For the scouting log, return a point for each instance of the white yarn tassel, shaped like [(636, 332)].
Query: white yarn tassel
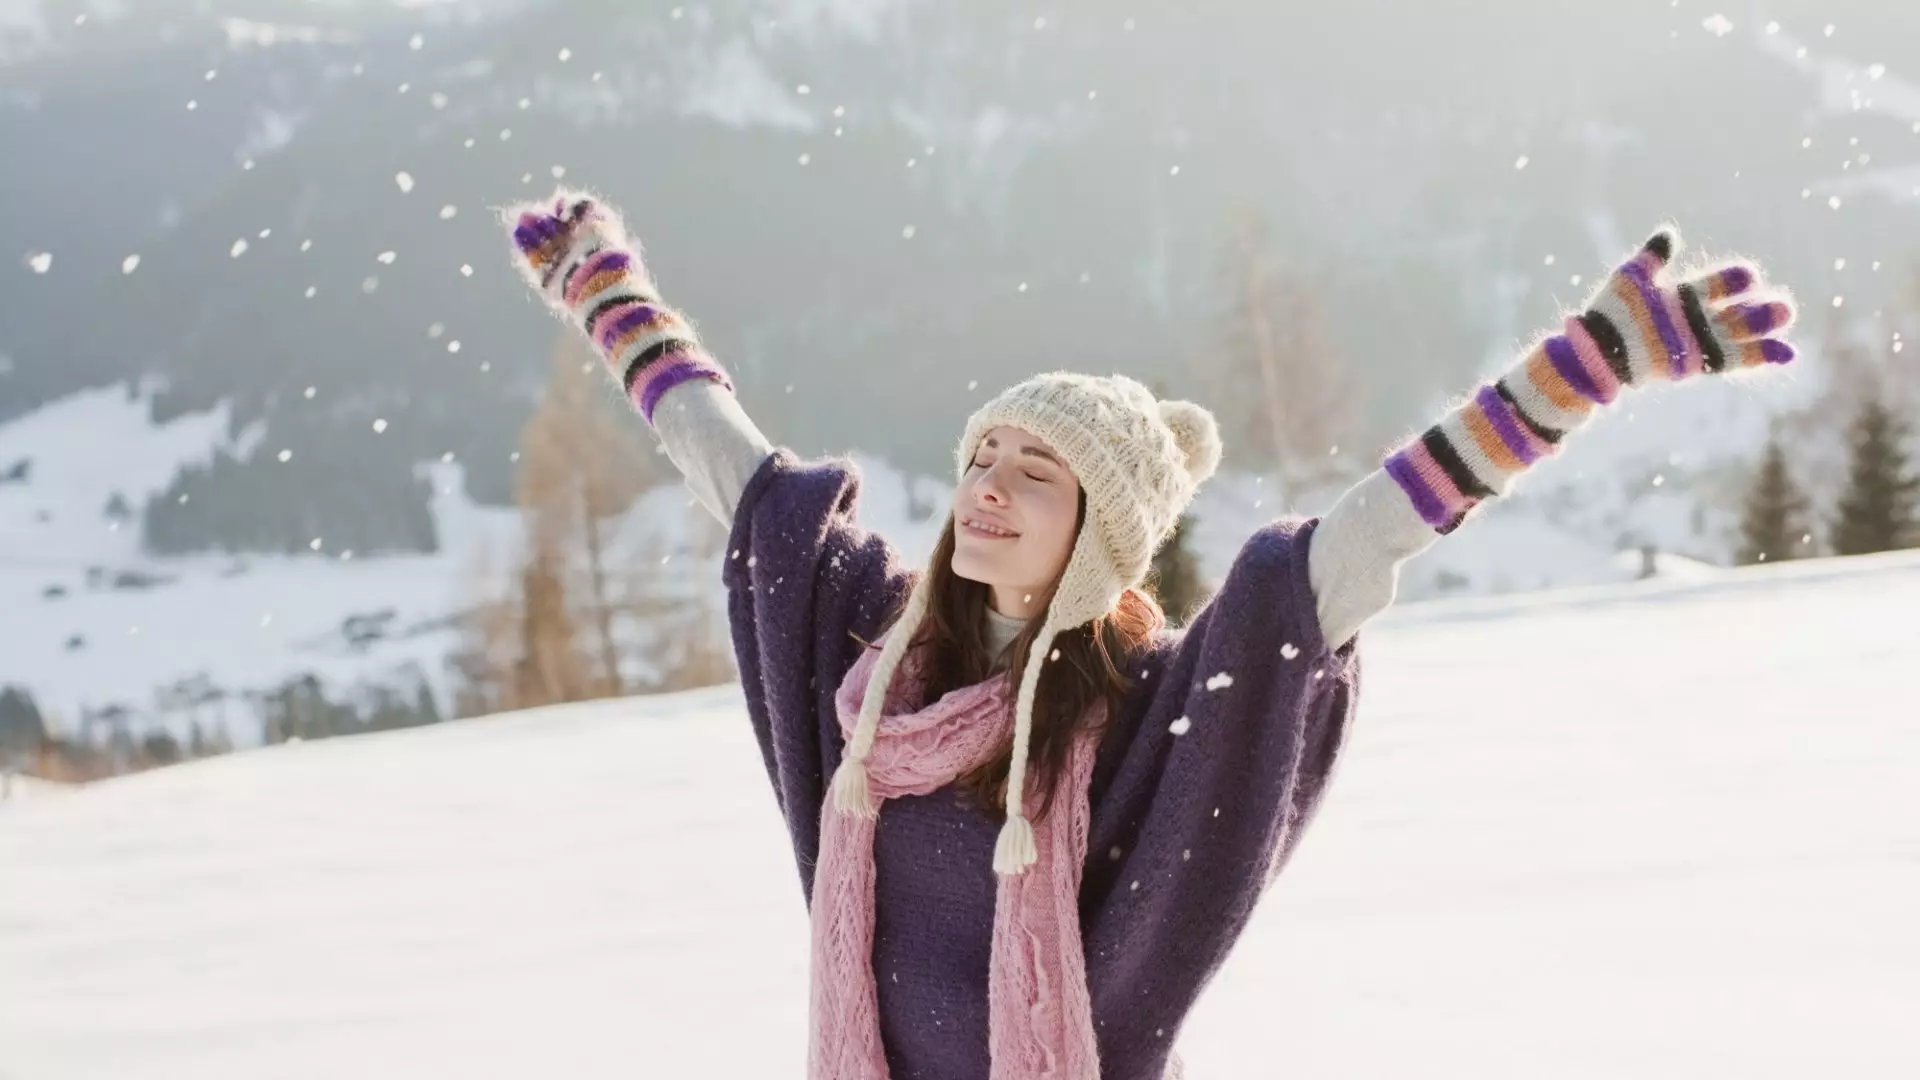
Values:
[(850, 794), (1016, 849)]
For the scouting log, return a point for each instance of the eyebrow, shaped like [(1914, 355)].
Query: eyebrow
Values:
[(1031, 451)]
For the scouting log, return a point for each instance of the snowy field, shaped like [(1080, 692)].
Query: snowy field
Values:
[(1669, 830)]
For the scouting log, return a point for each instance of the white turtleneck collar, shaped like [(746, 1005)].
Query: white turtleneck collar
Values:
[(1002, 629)]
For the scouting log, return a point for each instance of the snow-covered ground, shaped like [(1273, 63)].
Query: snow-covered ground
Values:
[(1667, 830)]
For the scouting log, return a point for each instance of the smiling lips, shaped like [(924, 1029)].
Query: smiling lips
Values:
[(987, 530)]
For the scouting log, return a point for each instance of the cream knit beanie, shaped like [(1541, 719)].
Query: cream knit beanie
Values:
[(1139, 462)]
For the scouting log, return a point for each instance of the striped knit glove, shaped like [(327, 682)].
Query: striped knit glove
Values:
[(1645, 323), (576, 254)]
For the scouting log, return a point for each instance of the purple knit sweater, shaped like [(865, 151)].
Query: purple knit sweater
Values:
[(1186, 829)]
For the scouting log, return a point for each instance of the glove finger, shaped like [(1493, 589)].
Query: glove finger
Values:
[(1764, 351), (1656, 253), (1728, 281), (1744, 322)]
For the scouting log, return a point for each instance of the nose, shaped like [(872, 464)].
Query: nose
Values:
[(987, 488)]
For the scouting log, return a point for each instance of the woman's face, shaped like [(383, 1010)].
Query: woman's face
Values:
[(1015, 485)]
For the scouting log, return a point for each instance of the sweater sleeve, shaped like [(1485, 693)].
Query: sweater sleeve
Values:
[(1206, 782), (1357, 552), (712, 441), (806, 584)]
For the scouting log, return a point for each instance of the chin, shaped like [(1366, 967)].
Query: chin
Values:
[(965, 566)]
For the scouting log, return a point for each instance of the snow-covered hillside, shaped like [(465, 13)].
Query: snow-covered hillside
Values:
[(1662, 831), (88, 620)]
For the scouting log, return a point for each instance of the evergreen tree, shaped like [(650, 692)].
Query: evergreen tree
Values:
[(1774, 518), (1174, 578), (1880, 508)]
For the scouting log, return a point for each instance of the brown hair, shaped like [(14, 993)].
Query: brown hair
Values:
[(1093, 664)]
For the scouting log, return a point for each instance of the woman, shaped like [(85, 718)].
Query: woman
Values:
[(1165, 776)]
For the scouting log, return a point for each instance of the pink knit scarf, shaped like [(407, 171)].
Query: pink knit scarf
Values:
[(1040, 1017)]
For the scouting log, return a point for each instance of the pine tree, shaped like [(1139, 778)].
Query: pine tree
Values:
[(1175, 576), (1880, 508), (1774, 518)]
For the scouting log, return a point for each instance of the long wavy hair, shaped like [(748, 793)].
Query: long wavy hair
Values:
[(1094, 660)]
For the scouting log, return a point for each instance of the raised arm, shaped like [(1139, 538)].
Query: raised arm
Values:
[(574, 251), (1646, 323)]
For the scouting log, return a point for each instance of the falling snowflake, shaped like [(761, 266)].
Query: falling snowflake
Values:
[(264, 233), (1718, 25), (448, 211), (804, 158), (1828, 29), (1289, 650), (1023, 286), (453, 346), (314, 544), (266, 621), (129, 264), (386, 258), (505, 134), (973, 384), (306, 245), (311, 292), (1113, 853), (434, 330), (40, 262), (192, 105), (309, 392), (1220, 681), (906, 233), (803, 89), (238, 249), (1833, 202), (1054, 655), (405, 181), (1839, 264), (1180, 726), (1175, 171), (369, 284), (438, 100), (1659, 479), (286, 455), (446, 458), (466, 270), (417, 42), (1520, 162), (379, 426), (1839, 300), (565, 55)]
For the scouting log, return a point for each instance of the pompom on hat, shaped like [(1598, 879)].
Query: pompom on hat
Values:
[(1139, 461)]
